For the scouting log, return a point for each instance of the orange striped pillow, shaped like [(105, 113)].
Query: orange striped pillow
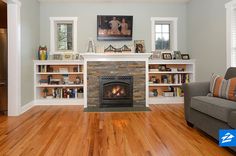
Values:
[(222, 88), (231, 89)]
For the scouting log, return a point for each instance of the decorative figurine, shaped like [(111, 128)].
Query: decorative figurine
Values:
[(91, 46)]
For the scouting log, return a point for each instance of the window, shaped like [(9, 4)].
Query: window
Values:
[(64, 37), (162, 36), (63, 34), (231, 33), (164, 33)]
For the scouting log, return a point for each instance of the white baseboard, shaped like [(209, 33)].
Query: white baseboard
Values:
[(27, 107), (58, 102)]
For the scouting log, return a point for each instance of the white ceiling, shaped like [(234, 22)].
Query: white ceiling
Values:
[(117, 1)]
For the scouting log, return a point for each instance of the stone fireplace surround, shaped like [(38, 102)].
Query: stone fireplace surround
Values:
[(117, 64)]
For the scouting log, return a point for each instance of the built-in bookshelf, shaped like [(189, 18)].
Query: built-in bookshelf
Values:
[(58, 82), (166, 78), (61, 82)]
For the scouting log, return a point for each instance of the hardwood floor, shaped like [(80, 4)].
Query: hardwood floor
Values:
[(67, 130)]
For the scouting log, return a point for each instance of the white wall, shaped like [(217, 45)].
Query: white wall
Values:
[(29, 45), (87, 20), (206, 36)]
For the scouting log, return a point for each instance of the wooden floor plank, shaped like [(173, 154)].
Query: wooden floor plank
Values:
[(67, 130)]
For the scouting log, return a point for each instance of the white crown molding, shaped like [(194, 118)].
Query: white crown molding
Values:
[(230, 4), (17, 2), (116, 1)]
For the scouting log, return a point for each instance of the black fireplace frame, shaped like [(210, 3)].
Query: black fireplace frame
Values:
[(124, 102)]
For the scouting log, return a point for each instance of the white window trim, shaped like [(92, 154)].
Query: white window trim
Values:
[(229, 7), (54, 20), (174, 21)]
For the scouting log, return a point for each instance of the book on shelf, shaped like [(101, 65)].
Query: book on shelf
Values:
[(66, 93), (168, 94), (45, 68), (174, 92), (178, 92)]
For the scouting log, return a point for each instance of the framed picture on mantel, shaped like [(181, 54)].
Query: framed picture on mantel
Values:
[(139, 46)]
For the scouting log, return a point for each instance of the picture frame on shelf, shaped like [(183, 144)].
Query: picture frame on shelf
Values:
[(139, 46), (177, 55), (76, 56), (68, 56), (167, 56), (57, 57), (156, 55), (185, 56)]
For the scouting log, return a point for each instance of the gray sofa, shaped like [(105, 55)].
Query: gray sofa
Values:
[(209, 114)]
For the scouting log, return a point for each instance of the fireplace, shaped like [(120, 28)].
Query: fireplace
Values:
[(116, 91)]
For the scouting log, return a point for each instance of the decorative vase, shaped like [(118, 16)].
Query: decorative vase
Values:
[(155, 92), (42, 53)]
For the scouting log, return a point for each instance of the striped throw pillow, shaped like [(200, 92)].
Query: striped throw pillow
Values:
[(219, 87)]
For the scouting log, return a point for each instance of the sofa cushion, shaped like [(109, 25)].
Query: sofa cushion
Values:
[(213, 106), (220, 87)]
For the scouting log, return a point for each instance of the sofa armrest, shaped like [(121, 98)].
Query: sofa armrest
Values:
[(191, 90), (232, 119)]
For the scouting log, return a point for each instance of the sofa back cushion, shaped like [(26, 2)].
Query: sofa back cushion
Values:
[(220, 87), (231, 73)]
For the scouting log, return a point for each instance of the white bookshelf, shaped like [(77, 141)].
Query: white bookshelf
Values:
[(189, 69), (55, 65)]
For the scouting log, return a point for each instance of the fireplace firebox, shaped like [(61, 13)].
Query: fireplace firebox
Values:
[(116, 91)]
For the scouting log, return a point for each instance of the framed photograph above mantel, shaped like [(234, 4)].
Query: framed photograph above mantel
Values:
[(114, 28)]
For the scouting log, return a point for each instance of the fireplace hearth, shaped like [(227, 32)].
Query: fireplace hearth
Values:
[(116, 91)]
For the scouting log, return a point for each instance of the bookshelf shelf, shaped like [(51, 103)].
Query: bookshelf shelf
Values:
[(58, 82), (58, 86), (165, 84), (185, 72), (59, 73)]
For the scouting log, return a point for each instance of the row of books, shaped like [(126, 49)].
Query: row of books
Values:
[(177, 92), (175, 78), (48, 68), (67, 93), (44, 69)]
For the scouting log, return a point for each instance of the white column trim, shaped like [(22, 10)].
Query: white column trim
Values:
[(14, 57)]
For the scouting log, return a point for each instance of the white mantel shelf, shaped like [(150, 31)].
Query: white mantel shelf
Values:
[(116, 56)]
